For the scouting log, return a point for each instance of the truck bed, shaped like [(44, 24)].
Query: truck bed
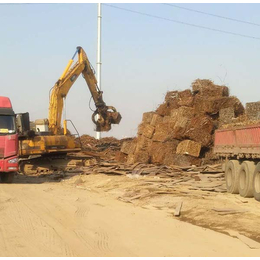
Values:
[(241, 142)]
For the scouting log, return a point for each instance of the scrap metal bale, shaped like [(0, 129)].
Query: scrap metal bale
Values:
[(181, 160), (143, 143), (128, 147), (179, 98), (185, 94), (165, 108), (180, 128), (200, 130), (130, 159), (156, 119), (187, 112), (188, 102), (226, 102), (207, 88), (162, 110), (180, 121), (147, 117), (171, 95), (142, 157), (158, 151), (140, 129), (121, 157), (211, 106), (253, 110), (226, 115), (148, 131), (189, 147), (162, 132)]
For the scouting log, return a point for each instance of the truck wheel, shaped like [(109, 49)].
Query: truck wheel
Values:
[(256, 182), (231, 176), (245, 182), (7, 177)]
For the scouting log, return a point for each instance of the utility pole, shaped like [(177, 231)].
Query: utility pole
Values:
[(98, 134)]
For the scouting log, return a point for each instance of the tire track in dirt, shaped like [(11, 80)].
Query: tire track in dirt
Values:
[(82, 211), (102, 241), (35, 229), (85, 238)]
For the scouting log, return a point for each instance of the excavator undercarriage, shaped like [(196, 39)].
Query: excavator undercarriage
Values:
[(55, 163)]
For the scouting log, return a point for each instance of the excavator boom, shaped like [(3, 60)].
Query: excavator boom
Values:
[(107, 115)]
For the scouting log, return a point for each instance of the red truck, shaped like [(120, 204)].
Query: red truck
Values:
[(8, 141), (240, 147)]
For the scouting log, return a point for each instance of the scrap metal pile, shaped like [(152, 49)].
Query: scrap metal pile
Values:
[(106, 147), (181, 130)]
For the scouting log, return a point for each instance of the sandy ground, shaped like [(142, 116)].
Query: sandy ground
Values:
[(89, 216)]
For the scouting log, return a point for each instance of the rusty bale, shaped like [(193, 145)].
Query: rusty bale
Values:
[(226, 115), (162, 132), (171, 95), (130, 159), (189, 147), (181, 160), (185, 98), (142, 157), (128, 147), (148, 131), (158, 151), (186, 160), (140, 129), (165, 108), (211, 106), (188, 102), (185, 94), (253, 110), (187, 112), (156, 119), (162, 110), (226, 102), (121, 157), (147, 117), (207, 88), (180, 128), (143, 143), (200, 130)]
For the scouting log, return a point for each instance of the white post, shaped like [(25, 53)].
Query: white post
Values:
[(98, 134)]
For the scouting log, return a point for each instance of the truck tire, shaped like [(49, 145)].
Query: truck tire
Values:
[(245, 183), (7, 177), (256, 182), (231, 176)]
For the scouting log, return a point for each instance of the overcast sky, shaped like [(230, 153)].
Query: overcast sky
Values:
[(142, 56)]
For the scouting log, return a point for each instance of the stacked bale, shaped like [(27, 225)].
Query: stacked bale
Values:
[(181, 129), (251, 117)]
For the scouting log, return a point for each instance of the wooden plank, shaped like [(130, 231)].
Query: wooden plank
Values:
[(178, 209)]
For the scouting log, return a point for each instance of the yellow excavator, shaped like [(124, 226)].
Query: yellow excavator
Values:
[(44, 145)]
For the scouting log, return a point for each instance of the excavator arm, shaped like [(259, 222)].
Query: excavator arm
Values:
[(107, 115)]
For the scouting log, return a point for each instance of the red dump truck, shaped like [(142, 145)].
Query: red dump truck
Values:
[(240, 147), (8, 141)]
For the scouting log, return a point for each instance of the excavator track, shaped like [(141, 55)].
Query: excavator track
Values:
[(49, 165)]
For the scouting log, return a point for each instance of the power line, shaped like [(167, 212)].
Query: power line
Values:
[(215, 15), (184, 23)]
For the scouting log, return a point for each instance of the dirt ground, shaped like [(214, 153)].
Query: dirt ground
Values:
[(101, 215)]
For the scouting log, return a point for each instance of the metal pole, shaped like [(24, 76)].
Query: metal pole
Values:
[(98, 134)]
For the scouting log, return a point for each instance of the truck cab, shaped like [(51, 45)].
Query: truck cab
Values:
[(8, 141)]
